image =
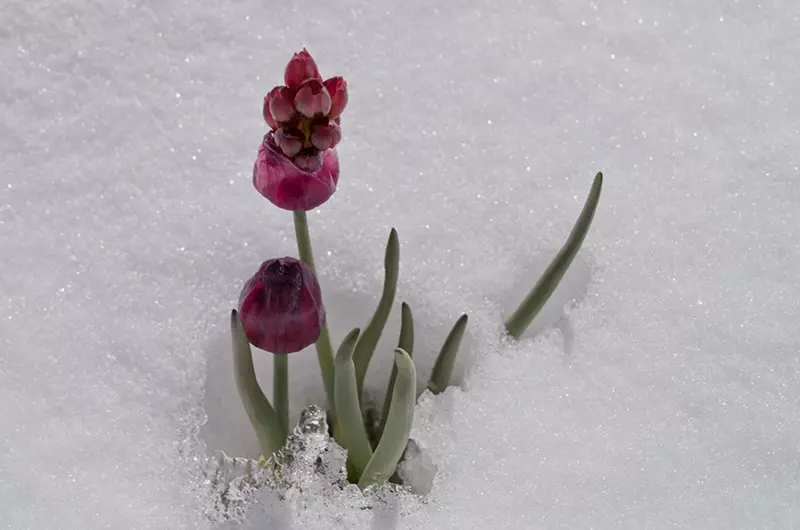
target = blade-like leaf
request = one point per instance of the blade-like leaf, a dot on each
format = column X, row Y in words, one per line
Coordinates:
column 350, row 433
column 398, row 425
column 372, row 333
column 406, row 343
column 269, row 430
column 538, row 296
column 443, row 368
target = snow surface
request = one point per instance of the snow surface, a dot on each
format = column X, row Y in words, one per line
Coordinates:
column 128, row 224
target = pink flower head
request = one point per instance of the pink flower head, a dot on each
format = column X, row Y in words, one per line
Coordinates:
column 300, row 183
column 280, row 307
column 304, row 117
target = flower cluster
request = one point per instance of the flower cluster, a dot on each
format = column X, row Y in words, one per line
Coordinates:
column 297, row 166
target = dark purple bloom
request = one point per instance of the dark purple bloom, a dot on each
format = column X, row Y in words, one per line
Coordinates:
column 280, row 307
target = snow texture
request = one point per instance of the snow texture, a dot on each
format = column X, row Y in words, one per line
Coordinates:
column 666, row 396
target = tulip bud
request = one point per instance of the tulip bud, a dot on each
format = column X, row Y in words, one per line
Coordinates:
column 280, row 307
column 290, row 141
column 312, row 99
column 301, row 67
column 268, row 117
column 337, row 88
column 280, row 104
column 325, row 136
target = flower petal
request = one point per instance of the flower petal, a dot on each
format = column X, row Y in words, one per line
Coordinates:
column 290, row 141
column 312, row 99
column 337, row 88
column 280, row 103
column 325, row 136
column 300, row 68
column 287, row 186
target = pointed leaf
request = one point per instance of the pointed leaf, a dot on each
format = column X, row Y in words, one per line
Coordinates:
column 398, row 425
column 538, row 296
column 372, row 333
column 443, row 368
column 351, row 433
column 406, row 343
column 269, row 430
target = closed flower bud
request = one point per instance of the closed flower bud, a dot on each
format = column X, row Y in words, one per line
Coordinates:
column 290, row 141
column 280, row 104
column 325, row 136
column 280, row 307
column 337, row 88
column 300, row 68
column 312, row 99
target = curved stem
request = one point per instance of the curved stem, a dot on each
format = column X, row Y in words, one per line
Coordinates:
column 324, row 348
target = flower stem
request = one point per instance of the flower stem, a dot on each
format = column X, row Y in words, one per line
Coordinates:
column 280, row 388
column 324, row 348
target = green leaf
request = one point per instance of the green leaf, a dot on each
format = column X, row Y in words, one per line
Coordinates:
column 351, row 433
column 538, row 296
column 443, row 368
column 398, row 425
column 406, row 343
column 269, row 430
column 372, row 333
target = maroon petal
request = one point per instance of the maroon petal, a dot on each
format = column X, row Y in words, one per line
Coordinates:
column 300, row 68
column 268, row 117
column 290, row 141
column 312, row 99
column 280, row 104
column 337, row 88
column 289, row 187
column 325, row 136
column 309, row 161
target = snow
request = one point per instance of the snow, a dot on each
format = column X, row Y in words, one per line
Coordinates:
column 128, row 224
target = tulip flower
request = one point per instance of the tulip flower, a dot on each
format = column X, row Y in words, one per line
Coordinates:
column 280, row 307
column 301, row 184
column 297, row 166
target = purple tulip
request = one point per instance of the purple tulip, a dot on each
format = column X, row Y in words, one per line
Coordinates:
column 280, row 307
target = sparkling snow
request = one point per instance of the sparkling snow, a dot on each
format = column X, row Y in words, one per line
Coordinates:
column 666, row 396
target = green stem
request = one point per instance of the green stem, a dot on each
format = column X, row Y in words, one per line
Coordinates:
column 324, row 348
column 280, row 388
